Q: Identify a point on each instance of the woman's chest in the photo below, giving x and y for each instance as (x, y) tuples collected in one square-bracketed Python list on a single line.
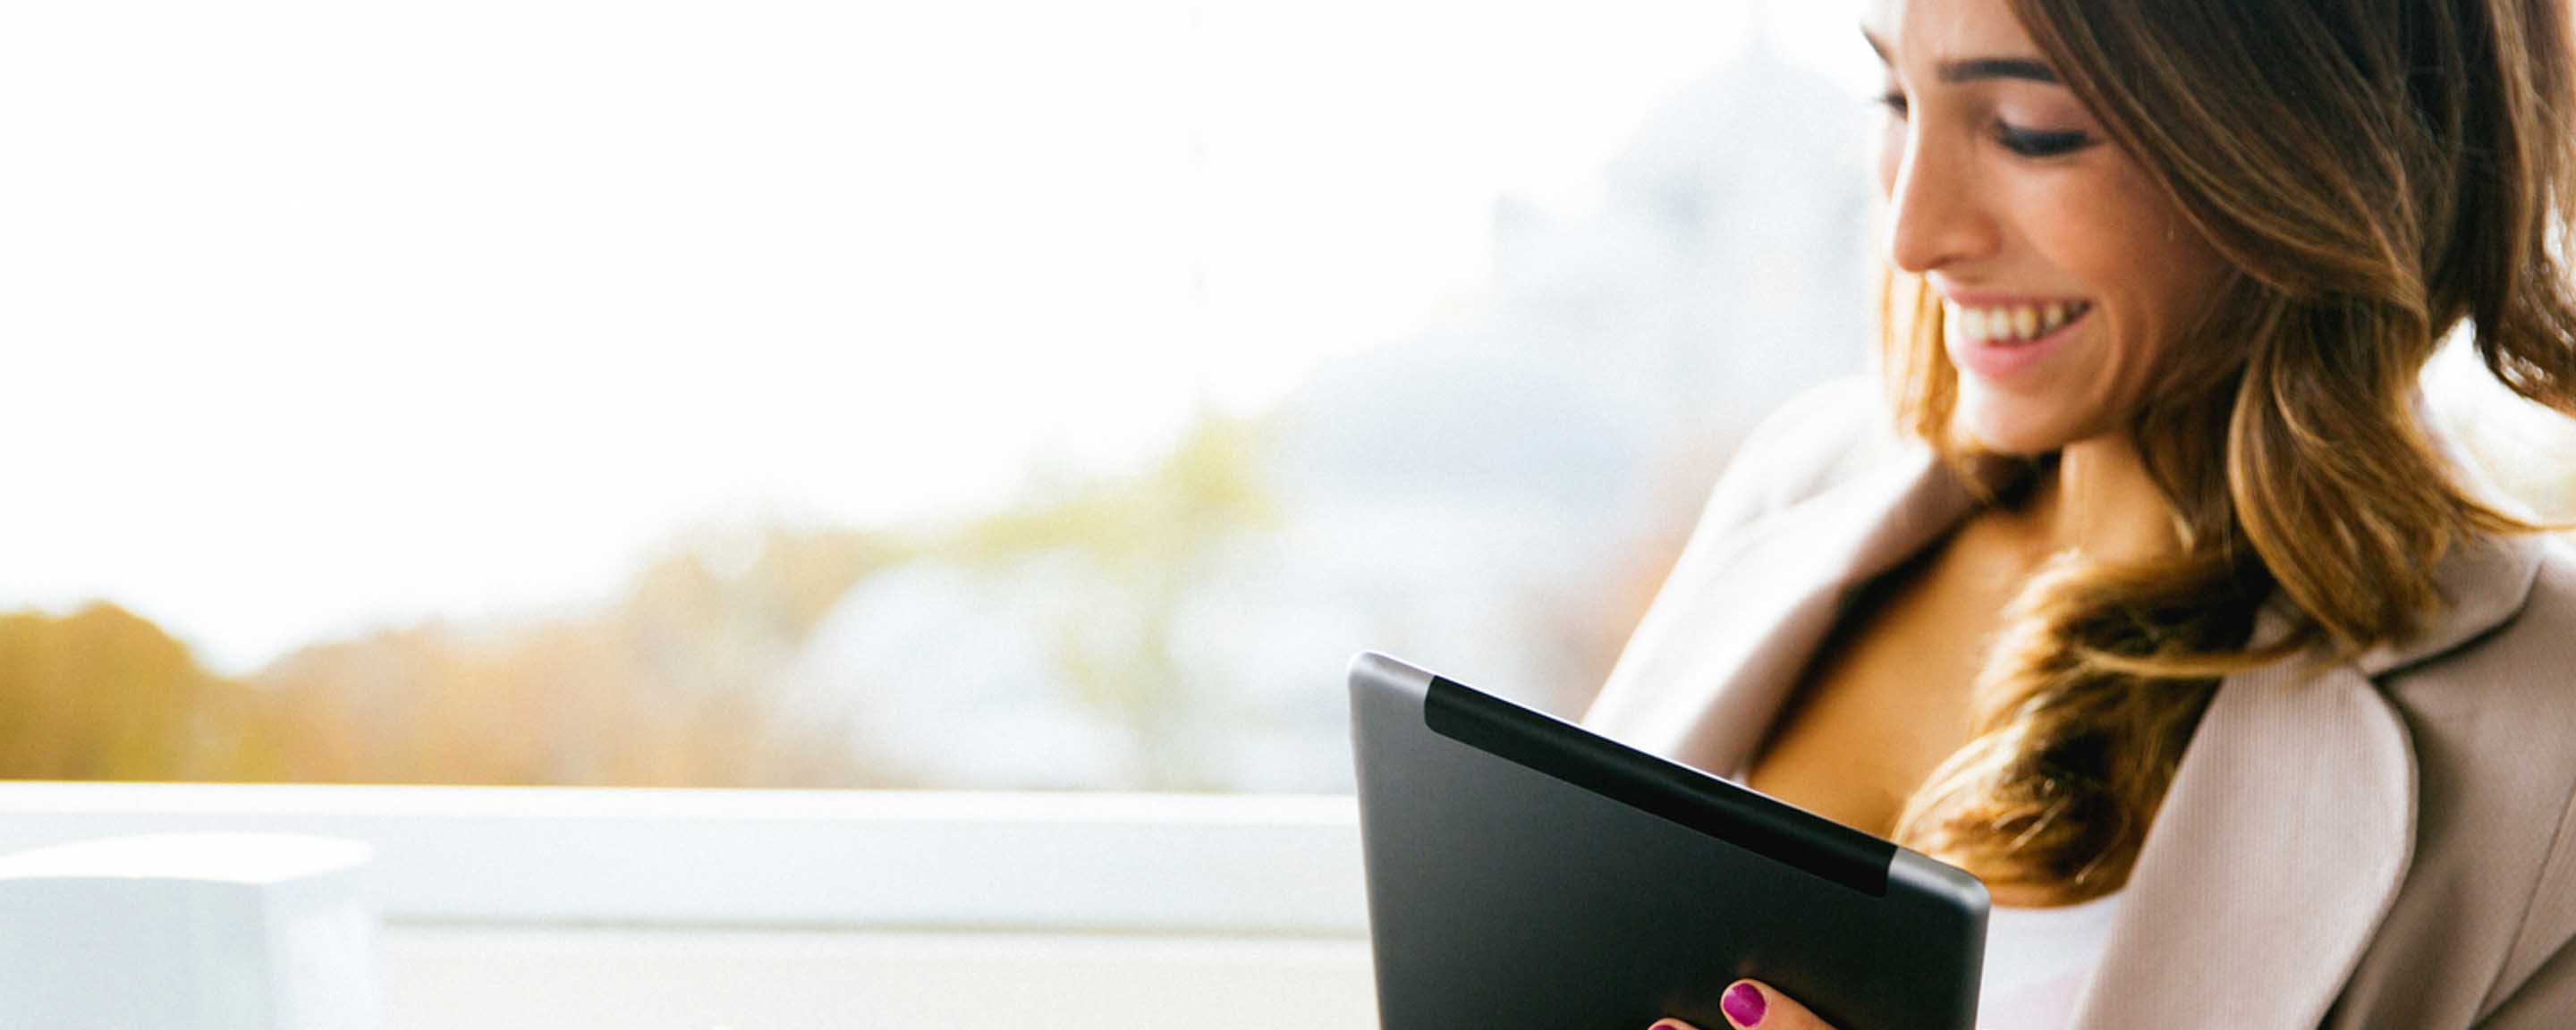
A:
[(1887, 697)]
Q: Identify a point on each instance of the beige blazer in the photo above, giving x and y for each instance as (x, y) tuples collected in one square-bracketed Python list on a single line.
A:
[(2385, 842)]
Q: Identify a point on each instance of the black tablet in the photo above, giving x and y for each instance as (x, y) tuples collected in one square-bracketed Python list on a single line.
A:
[(1527, 874)]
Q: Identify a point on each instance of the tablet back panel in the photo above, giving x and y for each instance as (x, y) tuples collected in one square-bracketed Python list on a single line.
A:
[(1526, 874)]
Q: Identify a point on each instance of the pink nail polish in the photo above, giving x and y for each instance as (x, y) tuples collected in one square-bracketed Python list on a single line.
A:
[(1743, 1004)]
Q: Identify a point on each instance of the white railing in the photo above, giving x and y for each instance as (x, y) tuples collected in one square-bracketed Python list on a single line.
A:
[(1053, 863)]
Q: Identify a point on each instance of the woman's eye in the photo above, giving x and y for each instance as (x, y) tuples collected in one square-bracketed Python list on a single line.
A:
[(1893, 101), (2042, 144)]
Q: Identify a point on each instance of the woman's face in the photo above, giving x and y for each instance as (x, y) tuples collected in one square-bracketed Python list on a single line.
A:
[(2064, 273)]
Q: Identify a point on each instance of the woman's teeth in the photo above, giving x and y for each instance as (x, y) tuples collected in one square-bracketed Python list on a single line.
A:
[(2014, 323)]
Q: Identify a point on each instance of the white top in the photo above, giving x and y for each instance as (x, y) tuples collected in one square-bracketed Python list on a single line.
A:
[(2037, 961)]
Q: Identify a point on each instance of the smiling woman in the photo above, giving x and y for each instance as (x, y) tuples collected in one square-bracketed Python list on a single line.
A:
[(2165, 607)]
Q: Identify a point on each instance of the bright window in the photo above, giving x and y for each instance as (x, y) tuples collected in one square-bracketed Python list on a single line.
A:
[(788, 394), (1000, 394)]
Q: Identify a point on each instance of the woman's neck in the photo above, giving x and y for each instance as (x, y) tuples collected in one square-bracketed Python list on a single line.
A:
[(2098, 500)]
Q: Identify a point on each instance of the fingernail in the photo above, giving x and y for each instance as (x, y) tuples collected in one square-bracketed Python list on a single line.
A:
[(1743, 1004)]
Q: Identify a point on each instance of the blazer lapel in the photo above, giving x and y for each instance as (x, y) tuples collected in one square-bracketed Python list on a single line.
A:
[(2288, 828), (2279, 845), (1729, 633)]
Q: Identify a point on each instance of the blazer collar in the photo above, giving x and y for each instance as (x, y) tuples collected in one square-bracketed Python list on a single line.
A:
[(2290, 822), (2483, 583)]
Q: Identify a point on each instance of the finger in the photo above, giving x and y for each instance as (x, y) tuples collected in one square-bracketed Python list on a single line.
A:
[(1751, 1003), (1671, 1024)]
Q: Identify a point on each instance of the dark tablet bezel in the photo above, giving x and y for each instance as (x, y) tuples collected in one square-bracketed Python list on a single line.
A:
[(1482, 911), (1738, 815)]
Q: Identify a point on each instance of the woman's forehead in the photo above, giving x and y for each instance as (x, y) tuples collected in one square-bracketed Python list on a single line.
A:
[(1934, 31)]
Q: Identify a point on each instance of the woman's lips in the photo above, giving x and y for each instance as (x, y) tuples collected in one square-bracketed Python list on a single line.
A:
[(2007, 357)]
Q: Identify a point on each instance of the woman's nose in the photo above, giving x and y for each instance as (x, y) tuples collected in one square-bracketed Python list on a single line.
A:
[(1935, 217)]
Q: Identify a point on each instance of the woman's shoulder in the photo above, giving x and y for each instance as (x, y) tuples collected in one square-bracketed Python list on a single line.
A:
[(2533, 647), (2497, 682), (2552, 604), (1820, 436), (2496, 773)]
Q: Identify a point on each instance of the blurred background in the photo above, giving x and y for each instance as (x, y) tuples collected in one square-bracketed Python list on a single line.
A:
[(992, 394)]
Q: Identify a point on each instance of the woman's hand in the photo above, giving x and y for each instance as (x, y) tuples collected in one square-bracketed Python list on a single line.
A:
[(1751, 1003)]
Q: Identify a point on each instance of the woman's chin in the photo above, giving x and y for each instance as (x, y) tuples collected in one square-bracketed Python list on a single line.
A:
[(2011, 428)]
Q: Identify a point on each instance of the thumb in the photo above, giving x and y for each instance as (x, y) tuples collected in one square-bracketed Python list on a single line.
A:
[(1752, 1003)]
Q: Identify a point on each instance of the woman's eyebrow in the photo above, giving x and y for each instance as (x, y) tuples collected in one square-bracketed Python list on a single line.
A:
[(2028, 69)]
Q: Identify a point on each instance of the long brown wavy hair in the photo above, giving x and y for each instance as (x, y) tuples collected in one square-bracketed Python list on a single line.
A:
[(2376, 175)]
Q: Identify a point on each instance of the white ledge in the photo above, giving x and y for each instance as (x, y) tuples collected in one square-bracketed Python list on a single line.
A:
[(1072, 862)]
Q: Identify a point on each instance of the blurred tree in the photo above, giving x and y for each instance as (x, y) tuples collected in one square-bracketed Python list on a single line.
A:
[(99, 694), (666, 687), (1151, 539)]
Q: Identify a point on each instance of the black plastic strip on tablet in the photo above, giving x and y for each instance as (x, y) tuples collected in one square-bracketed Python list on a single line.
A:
[(1537, 741)]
